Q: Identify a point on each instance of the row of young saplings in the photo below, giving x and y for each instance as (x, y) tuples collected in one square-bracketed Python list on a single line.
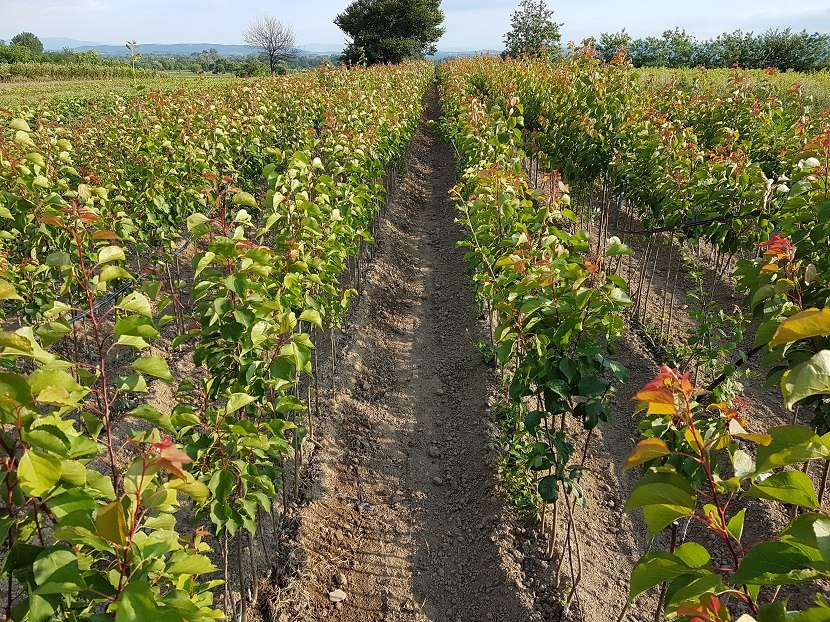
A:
[(518, 233), (198, 377)]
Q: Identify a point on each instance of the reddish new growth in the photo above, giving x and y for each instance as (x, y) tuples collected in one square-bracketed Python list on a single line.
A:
[(660, 393), (709, 610), (170, 457), (778, 248)]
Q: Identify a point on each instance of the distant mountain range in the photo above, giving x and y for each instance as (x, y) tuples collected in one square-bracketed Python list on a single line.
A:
[(59, 43)]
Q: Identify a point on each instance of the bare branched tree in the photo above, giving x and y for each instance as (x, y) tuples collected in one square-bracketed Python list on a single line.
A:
[(274, 39)]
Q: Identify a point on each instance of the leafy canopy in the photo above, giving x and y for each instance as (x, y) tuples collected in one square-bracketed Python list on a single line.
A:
[(29, 41), (532, 30), (390, 31)]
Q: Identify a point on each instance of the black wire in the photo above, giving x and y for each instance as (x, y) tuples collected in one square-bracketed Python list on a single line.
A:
[(692, 224)]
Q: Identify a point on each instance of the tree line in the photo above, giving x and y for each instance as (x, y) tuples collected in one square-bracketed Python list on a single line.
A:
[(783, 49), (28, 48)]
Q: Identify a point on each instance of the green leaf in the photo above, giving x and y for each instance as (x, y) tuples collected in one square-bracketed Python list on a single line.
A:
[(20, 125), (791, 444), (245, 199), (792, 487), (56, 572), (646, 450), (735, 526), (774, 563), (52, 332), (616, 247), (154, 366), (14, 388), (8, 292), (137, 303), (237, 401), (804, 325), (693, 554), (194, 489), (111, 253), (148, 413), (100, 484), (48, 437), (191, 564), (38, 473), (312, 316), (664, 497), (549, 489), (72, 500), (653, 569), (811, 377), (111, 523), (812, 530), (110, 273), (130, 383), (202, 261), (138, 603), (195, 220), (58, 259), (592, 386), (135, 326)]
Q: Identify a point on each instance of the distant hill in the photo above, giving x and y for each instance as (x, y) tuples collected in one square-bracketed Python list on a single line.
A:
[(444, 54), (171, 48), (56, 44), (59, 43)]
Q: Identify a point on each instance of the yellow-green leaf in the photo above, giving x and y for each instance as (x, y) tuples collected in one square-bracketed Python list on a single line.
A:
[(38, 473), (20, 124), (646, 450), (804, 325), (245, 199), (111, 253), (111, 524), (8, 292), (812, 377)]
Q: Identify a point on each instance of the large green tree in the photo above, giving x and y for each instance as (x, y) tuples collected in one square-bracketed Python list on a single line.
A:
[(532, 30), (390, 31), (28, 41)]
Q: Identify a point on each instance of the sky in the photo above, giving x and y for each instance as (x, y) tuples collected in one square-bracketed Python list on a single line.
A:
[(470, 24)]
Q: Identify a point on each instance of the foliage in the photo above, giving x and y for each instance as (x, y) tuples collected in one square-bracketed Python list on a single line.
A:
[(743, 161), (390, 31), (532, 30), (545, 281), (93, 470), (784, 50), (611, 44), (29, 41)]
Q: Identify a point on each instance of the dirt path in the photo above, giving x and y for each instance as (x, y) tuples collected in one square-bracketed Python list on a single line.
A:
[(408, 522)]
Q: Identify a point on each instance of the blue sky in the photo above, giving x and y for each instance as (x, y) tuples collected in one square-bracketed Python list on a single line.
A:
[(470, 24)]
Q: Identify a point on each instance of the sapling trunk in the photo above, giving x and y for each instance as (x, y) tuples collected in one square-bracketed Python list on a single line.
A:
[(651, 280), (333, 361), (254, 571), (228, 603), (672, 305), (666, 292), (664, 586), (241, 569), (261, 533), (823, 485), (639, 293)]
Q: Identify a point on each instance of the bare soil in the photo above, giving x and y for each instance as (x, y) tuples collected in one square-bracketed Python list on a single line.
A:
[(407, 519)]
